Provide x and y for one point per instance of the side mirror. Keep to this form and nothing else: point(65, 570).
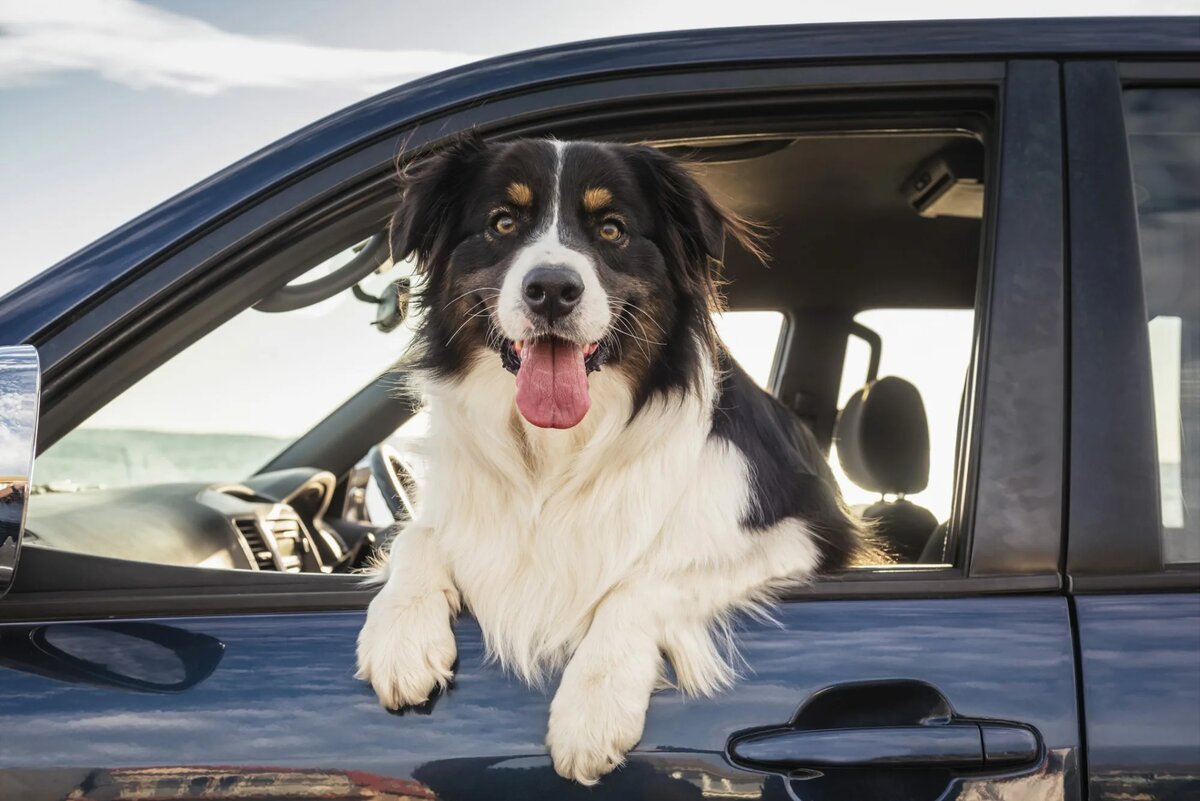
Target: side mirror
point(20, 387)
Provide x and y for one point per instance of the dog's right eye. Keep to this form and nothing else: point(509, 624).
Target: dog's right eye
point(504, 224)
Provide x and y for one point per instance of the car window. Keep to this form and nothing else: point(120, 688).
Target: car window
point(220, 409)
point(931, 349)
point(1164, 141)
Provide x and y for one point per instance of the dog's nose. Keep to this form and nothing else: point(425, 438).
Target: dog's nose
point(552, 291)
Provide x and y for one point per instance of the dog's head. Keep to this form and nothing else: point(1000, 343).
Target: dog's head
point(557, 259)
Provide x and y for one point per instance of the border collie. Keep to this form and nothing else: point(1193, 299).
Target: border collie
point(606, 486)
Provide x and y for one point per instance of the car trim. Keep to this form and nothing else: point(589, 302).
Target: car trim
point(1114, 528)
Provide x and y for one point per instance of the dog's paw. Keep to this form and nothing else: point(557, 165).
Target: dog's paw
point(592, 728)
point(406, 648)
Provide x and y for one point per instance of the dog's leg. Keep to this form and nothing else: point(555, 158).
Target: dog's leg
point(599, 711)
point(406, 648)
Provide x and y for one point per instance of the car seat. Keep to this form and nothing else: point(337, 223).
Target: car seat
point(882, 438)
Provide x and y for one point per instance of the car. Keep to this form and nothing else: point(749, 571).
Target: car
point(982, 299)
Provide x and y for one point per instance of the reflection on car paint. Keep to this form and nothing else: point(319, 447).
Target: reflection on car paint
point(142, 657)
point(1140, 660)
point(283, 696)
point(20, 387)
point(229, 783)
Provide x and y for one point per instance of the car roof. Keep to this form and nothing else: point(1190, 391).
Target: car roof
point(28, 309)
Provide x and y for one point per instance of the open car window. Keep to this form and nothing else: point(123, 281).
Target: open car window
point(220, 409)
point(262, 388)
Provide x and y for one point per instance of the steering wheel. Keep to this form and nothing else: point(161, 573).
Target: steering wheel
point(395, 480)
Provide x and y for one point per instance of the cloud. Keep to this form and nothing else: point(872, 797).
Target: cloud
point(136, 45)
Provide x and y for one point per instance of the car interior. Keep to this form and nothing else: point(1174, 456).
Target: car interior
point(865, 214)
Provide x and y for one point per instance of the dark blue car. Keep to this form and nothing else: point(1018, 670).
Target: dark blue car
point(998, 220)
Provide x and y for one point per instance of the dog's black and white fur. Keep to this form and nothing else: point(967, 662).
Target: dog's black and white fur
point(593, 546)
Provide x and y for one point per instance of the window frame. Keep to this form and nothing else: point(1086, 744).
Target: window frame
point(1114, 516)
point(1012, 547)
point(1008, 509)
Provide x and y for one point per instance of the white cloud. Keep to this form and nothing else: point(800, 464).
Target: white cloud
point(140, 46)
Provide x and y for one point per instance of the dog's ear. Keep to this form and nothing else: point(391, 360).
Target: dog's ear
point(695, 224)
point(431, 193)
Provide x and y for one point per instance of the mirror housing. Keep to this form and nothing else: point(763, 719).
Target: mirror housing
point(20, 389)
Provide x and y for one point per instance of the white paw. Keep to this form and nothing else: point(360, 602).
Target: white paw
point(406, 648)
point(592, 728)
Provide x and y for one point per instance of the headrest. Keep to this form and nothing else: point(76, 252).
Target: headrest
point(883, 437)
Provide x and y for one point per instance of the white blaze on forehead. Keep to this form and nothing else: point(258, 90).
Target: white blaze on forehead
point(590, 320)
point(554, 220)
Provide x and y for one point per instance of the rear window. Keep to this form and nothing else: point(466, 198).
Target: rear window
point(1164, 144)
point(931, 349)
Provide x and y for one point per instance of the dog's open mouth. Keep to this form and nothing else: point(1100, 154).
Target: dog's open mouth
point(552, 387)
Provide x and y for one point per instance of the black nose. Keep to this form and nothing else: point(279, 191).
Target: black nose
point(552, 291)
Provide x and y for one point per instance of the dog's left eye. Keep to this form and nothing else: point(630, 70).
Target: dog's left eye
point(612, 231)
point(504, 224)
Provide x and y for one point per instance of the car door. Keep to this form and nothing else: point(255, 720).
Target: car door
point(1134, 560)
point(937, 681)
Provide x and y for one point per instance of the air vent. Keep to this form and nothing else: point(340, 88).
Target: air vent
point(290, 544)
point(257, 546)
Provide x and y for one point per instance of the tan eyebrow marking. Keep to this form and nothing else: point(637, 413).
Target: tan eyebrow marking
point(596, 198)
point(520, 194)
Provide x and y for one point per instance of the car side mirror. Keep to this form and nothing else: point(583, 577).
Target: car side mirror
point(20, 388)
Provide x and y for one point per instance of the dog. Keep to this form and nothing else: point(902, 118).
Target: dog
point(606, 487)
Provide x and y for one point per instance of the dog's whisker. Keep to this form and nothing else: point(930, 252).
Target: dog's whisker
point(646, 334)
point(639, 313)
point(615, 304)
point(627, 331)
point(454, 300)
point(483, 302)
point(622, 326)
point(458, 330)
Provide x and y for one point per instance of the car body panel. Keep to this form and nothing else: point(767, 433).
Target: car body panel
point(1140, 662)
point(283, 697)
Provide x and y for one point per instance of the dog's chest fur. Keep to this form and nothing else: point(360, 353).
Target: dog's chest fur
point(538, 526)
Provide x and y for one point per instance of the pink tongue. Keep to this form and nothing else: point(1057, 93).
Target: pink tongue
point(552, 388)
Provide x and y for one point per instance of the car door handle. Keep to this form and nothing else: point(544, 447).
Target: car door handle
point(952, 744)
point(902, 724)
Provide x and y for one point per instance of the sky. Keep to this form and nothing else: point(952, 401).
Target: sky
point(108, 107)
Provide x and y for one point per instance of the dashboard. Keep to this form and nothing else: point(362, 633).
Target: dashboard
point(272, 522)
